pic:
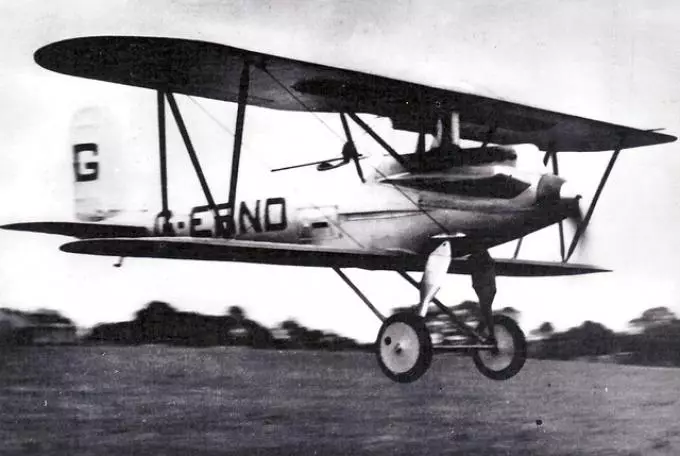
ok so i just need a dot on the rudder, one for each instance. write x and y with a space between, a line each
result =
93 138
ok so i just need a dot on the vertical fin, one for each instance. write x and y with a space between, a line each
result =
93 145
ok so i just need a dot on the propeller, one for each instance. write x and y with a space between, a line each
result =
322 165
349 153
575 215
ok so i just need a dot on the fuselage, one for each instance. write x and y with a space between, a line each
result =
394 210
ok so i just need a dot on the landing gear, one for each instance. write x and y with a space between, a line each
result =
508 354
404 347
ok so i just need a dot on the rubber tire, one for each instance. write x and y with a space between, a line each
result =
519 356
417 323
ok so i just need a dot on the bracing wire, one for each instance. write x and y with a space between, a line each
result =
231 132
399 189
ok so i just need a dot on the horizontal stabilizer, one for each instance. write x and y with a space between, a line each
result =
80 230
300 255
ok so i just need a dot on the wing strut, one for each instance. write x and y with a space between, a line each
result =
584 224
518 247
244 85
378 139
565 254
358 292
353 153
194 161
166 228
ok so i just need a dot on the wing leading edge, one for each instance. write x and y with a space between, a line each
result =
301 255
213 70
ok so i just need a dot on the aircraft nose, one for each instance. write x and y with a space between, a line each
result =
569 192
553 188
549 188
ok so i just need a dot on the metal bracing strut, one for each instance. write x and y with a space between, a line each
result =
194 161
163 162
456 321
244 85
358 292
584 224
518 247
350 140
377 138
546 157
422 131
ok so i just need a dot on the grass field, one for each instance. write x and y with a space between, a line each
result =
156 400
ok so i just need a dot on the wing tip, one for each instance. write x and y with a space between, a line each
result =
73 247
528 268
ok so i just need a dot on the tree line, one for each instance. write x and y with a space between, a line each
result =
159 322
653 338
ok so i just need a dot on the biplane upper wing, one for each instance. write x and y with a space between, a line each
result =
213 70
300 255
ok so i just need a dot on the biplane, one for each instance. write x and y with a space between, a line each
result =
431 209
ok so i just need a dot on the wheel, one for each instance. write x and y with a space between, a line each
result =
404 347
507 359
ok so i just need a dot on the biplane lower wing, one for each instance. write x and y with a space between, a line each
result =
301 255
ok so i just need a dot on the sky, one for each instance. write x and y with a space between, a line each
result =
615 61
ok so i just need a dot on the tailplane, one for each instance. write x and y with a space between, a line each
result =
98 183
